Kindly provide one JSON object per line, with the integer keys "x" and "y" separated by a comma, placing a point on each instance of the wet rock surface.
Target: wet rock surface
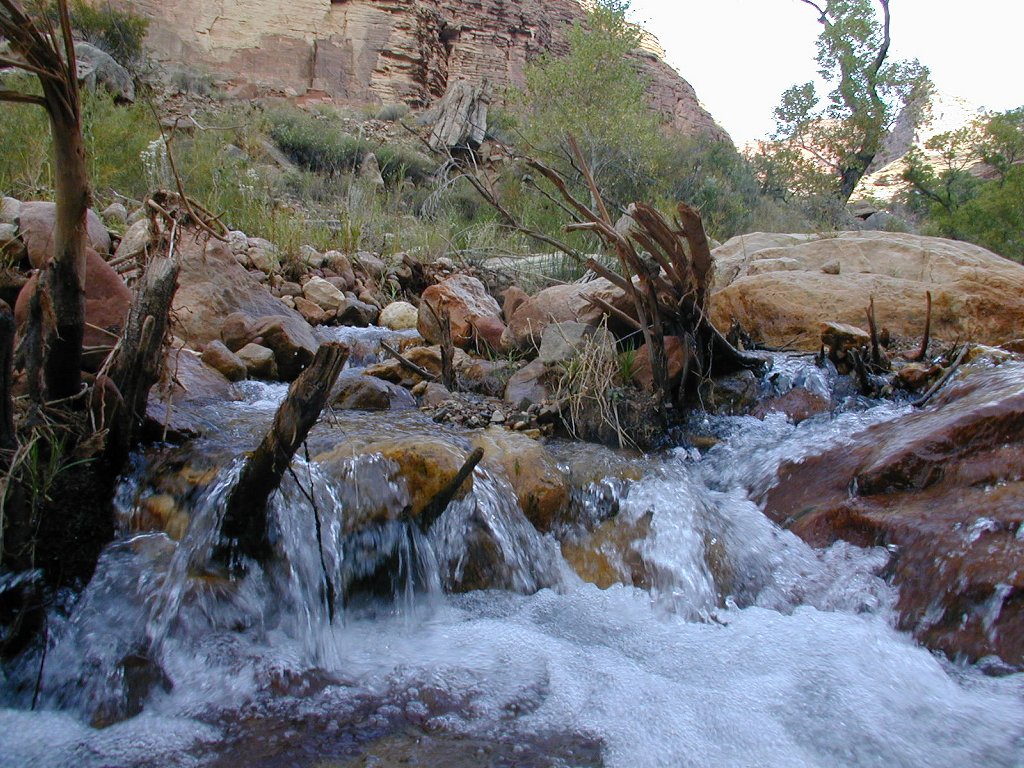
{"x": 943, "y": 487}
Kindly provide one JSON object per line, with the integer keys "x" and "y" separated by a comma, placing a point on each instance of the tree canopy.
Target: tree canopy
{"x": 828, "y": 146}
{"x": 970, "y": 184}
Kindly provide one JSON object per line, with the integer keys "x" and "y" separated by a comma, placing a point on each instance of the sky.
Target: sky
{"x": 740, "y": 55}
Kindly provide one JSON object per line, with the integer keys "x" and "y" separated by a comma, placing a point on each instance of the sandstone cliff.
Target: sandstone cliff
{"x": 387, "y": 51}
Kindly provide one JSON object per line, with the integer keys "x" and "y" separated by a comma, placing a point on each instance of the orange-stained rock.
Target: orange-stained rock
{"x": 542, "y": 489}
{"x": 471, "y": 311}
{"x": 776, "y": 287}
{"x": 212, "y": 285}
{"x": 945, "y": 487}
{"x": 678, "y": 355}
{"x": 612, "y": 554}
{"x": 107, "y": 301}
{"x": 425, "y": 464}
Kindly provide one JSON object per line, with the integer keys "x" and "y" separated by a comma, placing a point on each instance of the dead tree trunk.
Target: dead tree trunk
{"x": 138, "y": 361}
{"x": 245, "y": 526}
{"x": 51, "y": 57}
{"x": 8, "y": 437}
{"x": 460, "y": 117}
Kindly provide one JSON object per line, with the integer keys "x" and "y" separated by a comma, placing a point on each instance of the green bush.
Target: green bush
{"x": 119, "y": 33}
{"x": 317, "y": 144}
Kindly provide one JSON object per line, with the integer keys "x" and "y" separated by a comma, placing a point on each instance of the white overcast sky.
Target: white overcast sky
{"x": 740, "y": 55}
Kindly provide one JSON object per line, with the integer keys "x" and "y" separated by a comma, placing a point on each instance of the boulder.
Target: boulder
{"x": 359, "y": 392}
{"x": 219, "y": 357}
{"x": 115, "y": 214}
{"x": 485, "y": 377}
{"x": 291, "y": 340}
{"x": 466, "y": 303}
{"x": 212, "y": 286}
{"x": 181, "y": 408}
{"x": 526, "y": 387}
{"x": 96, "y": 68}
{"x": 731, "y": 395}
{"x": 356, "y": 312}
{"x": 841, "y": 338}
{"x": 137, "y": 239}
{"x": 560, "y": 342}
{"x": 976, "y": 294}
{"x": 562, "y": 303}
{"x": 399, "y": 316}
{"x": 612, "y": 553}
{"x": 10, "y": 209}
{"x": 511, "y": 298}
{"x": 425, "y": 464}
{"x": 941, "y": 486}
{"x": 12, "y": 249}
{"x": 372, "y": 265}
{"x": 264, "y": 258}
{"x": 323, "y": 294}
{"x": 798, "y": 404}
{"x": 36, "y": 221}
{"x": 107, "y": 301}
{"x": 432, "y": 394}
{"x": 678, "y": 356}
{"x": 339, "y": 263}
{"x": 259, "y": 361}
{"x": 542, "y": 489}
{"x": 312, "y": 312}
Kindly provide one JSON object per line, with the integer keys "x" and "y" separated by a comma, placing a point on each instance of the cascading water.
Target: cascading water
{"x": 745, "y": 646}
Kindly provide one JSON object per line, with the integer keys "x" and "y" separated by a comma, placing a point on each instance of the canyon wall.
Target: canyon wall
{"x": 387, "y": 51}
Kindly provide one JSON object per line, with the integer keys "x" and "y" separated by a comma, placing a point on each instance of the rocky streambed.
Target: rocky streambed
{"x": 752, "y": 601}
{"x": 810, "y": 570}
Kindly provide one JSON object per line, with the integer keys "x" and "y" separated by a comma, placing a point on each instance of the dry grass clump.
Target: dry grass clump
{"x": 599, "y": 401}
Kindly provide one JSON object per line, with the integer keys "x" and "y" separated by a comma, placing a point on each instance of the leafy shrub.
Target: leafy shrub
{"x": 392, "y": 113}
{"x": 119, "y": 33}
{"x": 317, "y": 144}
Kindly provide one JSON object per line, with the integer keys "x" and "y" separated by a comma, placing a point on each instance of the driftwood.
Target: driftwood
{"x": 139, "y": 358}
{"x": 922, "y": 351}
{"x": 244, "y": 527}
{"x": 437, "y": 505}
{"x": 406, "y": 363}
{"x": 666, "y": 270}
{"x": 953, "y": 368}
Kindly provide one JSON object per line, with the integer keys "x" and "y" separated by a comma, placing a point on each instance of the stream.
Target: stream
{"x": 745, "y": 646}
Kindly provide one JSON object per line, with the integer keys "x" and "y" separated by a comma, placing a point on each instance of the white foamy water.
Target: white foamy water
{"x": 750, "y": 648}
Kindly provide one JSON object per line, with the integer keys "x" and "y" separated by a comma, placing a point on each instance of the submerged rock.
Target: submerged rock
{"x": 542, "y": 489}
{"x": 943, "y": 487}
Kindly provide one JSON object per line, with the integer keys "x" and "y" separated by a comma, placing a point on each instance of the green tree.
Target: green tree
{"x": 596, "y": 93}
{"x": 970, "y": 184}
{"x": 843, "y": 135}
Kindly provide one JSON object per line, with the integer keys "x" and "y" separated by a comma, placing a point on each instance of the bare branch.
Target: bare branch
{"x": 17, "y": 97}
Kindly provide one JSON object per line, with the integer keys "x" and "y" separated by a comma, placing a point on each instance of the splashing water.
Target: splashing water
{"x": 748, "y": 648}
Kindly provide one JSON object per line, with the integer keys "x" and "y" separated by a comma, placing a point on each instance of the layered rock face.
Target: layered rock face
{"x": 387, "y": 51}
